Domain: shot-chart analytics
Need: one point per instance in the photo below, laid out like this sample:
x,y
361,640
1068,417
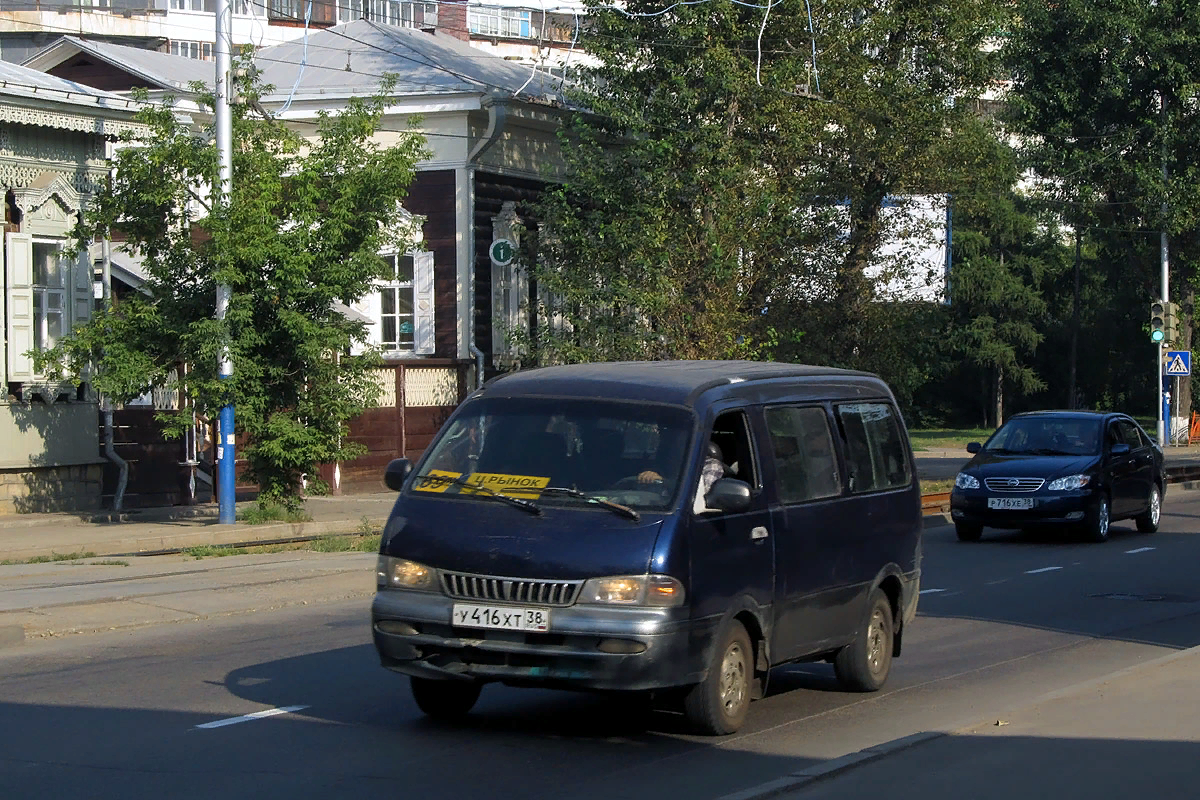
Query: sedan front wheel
x,y
1096,526
1147,522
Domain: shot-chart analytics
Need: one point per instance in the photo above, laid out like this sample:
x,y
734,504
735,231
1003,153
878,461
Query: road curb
x,y
826,769
215,535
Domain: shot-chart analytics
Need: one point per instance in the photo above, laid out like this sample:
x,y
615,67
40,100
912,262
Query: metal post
x,y
1075,320
1165,296
223,52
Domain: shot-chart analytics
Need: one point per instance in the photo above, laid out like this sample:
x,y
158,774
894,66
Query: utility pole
x,y
1075,320
223,52
1164,411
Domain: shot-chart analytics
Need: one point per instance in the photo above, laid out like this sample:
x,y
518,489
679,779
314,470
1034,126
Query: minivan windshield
x,y
626,453
1048,436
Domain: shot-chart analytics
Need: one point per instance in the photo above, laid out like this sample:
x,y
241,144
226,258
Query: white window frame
x,y
509,23
201,51
421,317
396,289
43,293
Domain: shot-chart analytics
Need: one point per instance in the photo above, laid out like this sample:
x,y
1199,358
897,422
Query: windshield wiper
x,y
1050,451
616,508
461,480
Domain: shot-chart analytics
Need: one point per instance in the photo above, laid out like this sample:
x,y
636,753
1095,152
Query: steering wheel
x,y
632,482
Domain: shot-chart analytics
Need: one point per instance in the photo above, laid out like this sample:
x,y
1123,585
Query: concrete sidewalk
x,y
157,530
1134,733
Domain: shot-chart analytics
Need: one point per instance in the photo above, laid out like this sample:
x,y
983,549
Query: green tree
x,y
300,234
729,180
1105,96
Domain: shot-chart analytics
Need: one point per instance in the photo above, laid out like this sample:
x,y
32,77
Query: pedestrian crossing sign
x,y
1177,362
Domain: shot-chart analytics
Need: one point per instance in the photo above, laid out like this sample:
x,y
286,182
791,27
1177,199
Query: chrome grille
x,y
464,586
1013,484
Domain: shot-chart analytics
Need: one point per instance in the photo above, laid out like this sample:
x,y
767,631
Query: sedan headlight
x,y
657,591
397,573
1069,482
964,481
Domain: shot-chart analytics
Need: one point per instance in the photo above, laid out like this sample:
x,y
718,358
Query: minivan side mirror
x,y
974,447
728,494
397,470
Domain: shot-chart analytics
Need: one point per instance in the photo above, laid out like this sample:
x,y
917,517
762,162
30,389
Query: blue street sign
x,y
1177,362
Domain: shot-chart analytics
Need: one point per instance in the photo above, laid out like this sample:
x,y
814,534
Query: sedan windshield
x,y
569,452
1046,436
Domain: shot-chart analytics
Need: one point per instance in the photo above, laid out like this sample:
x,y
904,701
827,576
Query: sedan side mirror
x,y
728,494
974,447
397,470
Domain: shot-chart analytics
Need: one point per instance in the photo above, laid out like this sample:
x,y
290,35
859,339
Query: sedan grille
x,y
464,586
1013,484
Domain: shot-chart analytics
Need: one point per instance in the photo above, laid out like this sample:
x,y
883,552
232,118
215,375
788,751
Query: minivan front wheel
x,y
718,705
449,699
864,664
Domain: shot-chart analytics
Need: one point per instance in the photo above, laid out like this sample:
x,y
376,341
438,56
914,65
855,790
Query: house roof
x,y
351,59
331,63
19,81
161,70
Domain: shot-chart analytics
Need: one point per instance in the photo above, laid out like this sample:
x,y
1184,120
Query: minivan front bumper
x,y
588,646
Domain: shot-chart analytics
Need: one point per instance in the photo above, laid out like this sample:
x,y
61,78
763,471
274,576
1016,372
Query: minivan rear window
x,y
875,455
631,453
805,468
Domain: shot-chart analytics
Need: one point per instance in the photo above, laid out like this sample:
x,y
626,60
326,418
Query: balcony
x,y
125,7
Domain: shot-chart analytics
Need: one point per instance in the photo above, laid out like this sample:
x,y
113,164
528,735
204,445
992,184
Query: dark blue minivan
x,y
652,526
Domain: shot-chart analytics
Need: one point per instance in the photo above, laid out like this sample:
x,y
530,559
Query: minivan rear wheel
x,y
864,664
718,705
449,699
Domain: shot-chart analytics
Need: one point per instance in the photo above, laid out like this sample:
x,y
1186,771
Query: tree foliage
x,y
1104,96
724,193
301,233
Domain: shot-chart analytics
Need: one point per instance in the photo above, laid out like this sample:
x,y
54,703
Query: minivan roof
x,y
677,382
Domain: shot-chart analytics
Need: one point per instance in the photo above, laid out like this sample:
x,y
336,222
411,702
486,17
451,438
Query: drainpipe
x,y
109,451
497,116
475,351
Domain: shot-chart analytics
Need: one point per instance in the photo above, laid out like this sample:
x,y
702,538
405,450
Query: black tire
x,y
450,699
1098,520
968,531
864,664
718,705
1147,522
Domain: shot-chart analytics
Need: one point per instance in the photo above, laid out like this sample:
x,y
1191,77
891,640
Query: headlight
x,y
1069,482
964,481
396,573
658,591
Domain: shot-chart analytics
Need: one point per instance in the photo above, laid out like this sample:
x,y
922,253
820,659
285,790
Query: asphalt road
x,y
158,712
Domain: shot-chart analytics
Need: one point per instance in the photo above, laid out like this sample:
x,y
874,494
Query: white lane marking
x,y
269,712
931,591
996,583
1140,550
1043,569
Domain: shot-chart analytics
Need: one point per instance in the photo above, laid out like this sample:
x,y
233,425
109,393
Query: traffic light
x,y
1158,322
1170,324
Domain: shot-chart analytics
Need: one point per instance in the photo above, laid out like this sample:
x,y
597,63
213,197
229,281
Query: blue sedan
x,y
1083,469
